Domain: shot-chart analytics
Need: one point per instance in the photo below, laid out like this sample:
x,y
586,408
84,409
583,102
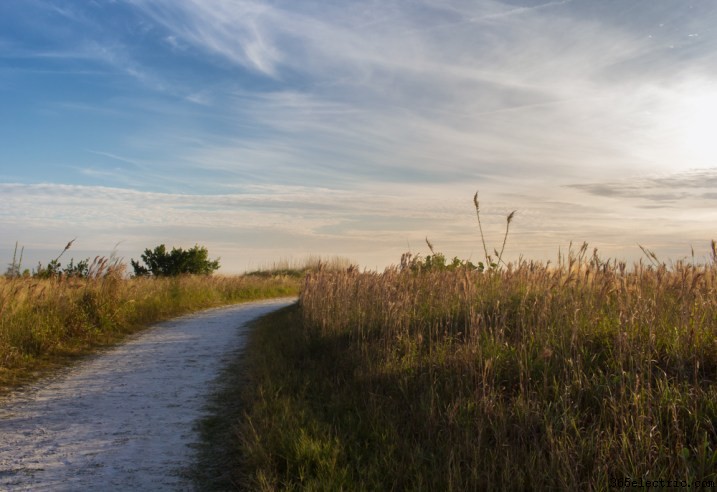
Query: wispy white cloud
x,y
498,91
127,160
234,33
483,96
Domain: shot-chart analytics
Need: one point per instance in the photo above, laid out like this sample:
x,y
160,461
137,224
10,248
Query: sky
x,y
272,130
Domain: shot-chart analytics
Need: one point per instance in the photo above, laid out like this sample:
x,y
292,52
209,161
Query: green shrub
x,y
160,263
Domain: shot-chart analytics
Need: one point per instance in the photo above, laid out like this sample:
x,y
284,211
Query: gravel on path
x,y
124,419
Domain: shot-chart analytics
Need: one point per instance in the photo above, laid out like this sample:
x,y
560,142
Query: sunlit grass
x,y
300,267
45,321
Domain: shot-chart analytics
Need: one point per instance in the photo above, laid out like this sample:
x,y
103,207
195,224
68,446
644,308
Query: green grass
x,y
45,324
220,458
284,437
523,378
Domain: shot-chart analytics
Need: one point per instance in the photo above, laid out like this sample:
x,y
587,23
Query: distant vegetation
x,y
162,263
299,268
82,269
157,262
520,376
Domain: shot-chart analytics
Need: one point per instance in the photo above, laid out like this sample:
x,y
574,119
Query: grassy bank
x,y
526,378
45,323
221,463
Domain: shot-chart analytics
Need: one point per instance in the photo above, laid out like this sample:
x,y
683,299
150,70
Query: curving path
x,y
123,420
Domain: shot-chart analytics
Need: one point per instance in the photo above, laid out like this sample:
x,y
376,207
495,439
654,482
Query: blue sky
x,y
276,129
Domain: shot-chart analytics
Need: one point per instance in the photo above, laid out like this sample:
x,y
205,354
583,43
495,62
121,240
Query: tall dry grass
x,y
42,320
299,267
529,377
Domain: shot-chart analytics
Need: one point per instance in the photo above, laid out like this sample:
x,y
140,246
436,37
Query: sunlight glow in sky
x,y
276,129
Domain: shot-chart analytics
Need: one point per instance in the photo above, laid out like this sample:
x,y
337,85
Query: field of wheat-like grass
x,y
527,376
45,321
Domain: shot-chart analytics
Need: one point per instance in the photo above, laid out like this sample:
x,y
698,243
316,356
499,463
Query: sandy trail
x,y
123,420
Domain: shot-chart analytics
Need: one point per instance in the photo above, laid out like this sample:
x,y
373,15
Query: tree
x,y
81,269
160,263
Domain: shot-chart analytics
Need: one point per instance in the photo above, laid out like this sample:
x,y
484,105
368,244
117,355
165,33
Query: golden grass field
x,y
527,376
45,323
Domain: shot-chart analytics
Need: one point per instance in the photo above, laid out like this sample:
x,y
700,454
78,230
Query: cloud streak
x,y
693,187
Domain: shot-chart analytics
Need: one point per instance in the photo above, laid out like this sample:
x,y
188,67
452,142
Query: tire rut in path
x,y
123,420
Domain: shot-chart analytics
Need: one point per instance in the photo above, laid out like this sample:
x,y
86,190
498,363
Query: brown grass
x,y
526,377
45,323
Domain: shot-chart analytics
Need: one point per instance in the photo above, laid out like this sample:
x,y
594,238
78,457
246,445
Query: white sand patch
x,y
123,420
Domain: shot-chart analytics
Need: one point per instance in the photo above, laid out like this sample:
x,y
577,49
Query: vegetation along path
x,y
126,418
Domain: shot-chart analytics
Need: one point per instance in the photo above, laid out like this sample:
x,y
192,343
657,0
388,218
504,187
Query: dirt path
x,y
123,420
